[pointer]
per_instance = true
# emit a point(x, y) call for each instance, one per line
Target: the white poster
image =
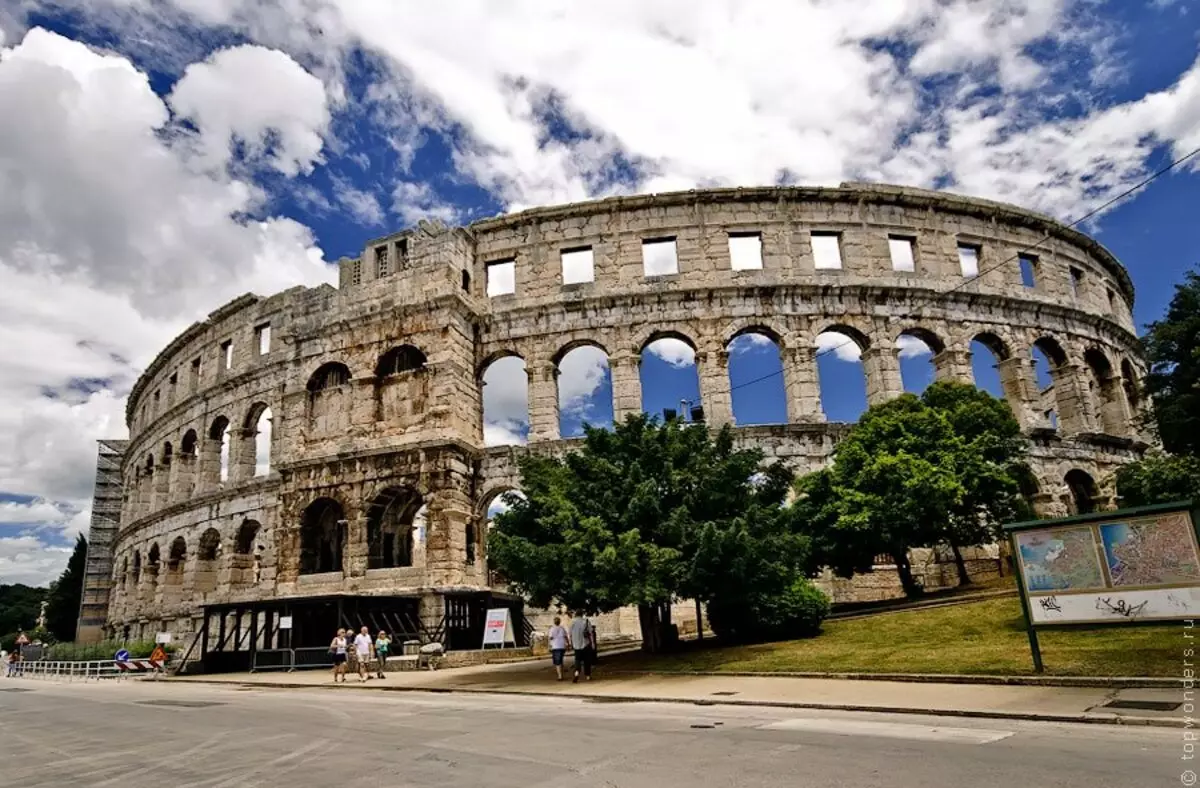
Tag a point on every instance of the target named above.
point(497, 628)
point(285, 622)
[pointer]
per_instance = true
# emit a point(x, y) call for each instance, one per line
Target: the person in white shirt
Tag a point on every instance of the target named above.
point(362, 649)
point(558, 645)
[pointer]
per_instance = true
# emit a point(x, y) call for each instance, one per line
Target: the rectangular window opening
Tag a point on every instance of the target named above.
point(968, 260)
point(1112, 301)
point(659, 257)
point(356, 272)
point(827, 251)
point(1028, 265)
point(383, 263)
point(1076, 281)
point(501, 278)
point(227, 353)
point(401, 254)
point(578, 265)
point(902, 249)
point(745, 251)
point(194, 376)
point(262, 336)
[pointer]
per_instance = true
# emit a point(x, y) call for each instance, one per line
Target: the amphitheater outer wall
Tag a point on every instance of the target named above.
point(372, 434)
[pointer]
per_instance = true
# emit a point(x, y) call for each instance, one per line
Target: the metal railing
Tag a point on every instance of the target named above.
point(274, 659)
point(69, 670)
point(315, 657)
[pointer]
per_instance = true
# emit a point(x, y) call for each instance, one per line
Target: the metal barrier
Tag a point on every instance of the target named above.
point(67, 669)
point(274, 659)
point(318, 657)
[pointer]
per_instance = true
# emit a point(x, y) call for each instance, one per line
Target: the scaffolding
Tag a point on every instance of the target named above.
point(102, 532)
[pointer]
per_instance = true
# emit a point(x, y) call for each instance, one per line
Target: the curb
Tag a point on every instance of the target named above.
point(1082, 718)
point(1094, 682)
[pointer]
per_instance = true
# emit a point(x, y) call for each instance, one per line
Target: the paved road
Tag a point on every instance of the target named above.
point(135, 734)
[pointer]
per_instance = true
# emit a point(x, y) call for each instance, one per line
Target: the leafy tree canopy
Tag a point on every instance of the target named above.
point(1159, 479)
point(62, 603)
point(1173, 350)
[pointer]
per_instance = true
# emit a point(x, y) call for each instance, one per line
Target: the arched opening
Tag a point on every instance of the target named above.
point(137, 567)
point(398, 360)
point(500, 501)
point(176, 557)
point(247, 534)
point(207, 553)
point(401, 387)
point(1048, 361)
point(153, 563)
point(505, 402)
point(840, 373)
point(148, 465)
point(322, 537)
point(390, 529)
point(124, 578)
point(187, 447)
point(218, 435)
point(584, 390)
point(258, 428)
point(987, 351)
point(756, 379)
point(329, 398)
point(669, 378)
point(471, 542)
point(1084, 492)
point(167, 453)
point(1104, 393)
point(1133, 386)
point(915, 349)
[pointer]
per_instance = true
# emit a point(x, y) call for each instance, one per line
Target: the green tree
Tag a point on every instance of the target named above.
point(1159, 478)
point(19, 608)
point(1173, 350)
point(62, 603)
point(989, 462)
point(642, 514)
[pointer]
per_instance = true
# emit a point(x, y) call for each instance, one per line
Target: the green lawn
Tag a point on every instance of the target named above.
point(985, 637)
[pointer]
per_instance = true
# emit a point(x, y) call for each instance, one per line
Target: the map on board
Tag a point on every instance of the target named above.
point(1151, 552)
point(1060, 560)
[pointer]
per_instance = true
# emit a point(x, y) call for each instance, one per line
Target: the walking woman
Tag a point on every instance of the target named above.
point(383, 645)
point(337, 650)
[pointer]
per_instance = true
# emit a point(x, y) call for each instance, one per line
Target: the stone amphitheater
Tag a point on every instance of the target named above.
point(317, 457)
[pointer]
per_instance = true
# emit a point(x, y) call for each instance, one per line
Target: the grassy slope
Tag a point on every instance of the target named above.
point(985, 637)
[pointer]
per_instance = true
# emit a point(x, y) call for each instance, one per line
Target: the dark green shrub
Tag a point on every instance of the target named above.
point(797, 612)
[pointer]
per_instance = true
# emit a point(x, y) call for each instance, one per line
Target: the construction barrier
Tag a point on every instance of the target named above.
point(68, 669)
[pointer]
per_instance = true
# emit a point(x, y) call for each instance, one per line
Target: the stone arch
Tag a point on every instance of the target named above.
point(922, 359)
point(254, 450)
point(583, 386)
point(669, 374)
point(391, 540)
point(322, 537)
point(504, 384)
point(330, 401)
point(215, 463)
point(124, 577)
point(208, 553)
point(187, 446)
point(176, 558)
point(1132, 385)
point(1104, 393)
point(755, 325)
point(153, 564)
point(758, 394)
point(841, 372)
point(330, 375)
point(1052, 379)
point(1083, 491)
point(400, 359)
point(167, 453)
point(490, 504)
point(148, 465)
point(137, 567)
point(994, 370)
point(247, 535)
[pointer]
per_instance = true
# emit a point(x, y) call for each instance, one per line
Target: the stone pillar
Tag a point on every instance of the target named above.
point(183, 472)
point(953, 365)
point(712, 367)
point(209, 477)
point(543, 402)
point(242, 454)
point(626, 386)
point(1115, 411)
point(162, 486)
point(1070, 399)
point(1016, 379)
point(882, 368)
point(801, 384)
point(356, 550)
point(446, 536)
point(1048, 505)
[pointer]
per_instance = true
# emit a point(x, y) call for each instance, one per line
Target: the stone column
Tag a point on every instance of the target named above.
point(241, 454)
point(1016, 379)
point(801, 384)
point(162, 486)
point(1115, 409)
point(953, 365)
point(882, 369)
point(1074, 415)
point(183, 485)
point(543, 401)
point(626, 386)
point(446, 536)
point(209, 477)
point(355, 551)
point(712, 367)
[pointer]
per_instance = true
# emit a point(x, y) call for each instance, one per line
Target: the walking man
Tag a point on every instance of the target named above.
point(558, 645)
point(362, 650)
point(581, 641)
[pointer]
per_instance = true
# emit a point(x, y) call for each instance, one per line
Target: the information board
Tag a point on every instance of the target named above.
point(497, 628)
point(1113, 567)
point(285, 622)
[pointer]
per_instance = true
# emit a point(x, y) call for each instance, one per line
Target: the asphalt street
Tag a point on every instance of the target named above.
point(133, 734)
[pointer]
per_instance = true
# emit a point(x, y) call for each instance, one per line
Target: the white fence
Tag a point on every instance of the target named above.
point(66, 670)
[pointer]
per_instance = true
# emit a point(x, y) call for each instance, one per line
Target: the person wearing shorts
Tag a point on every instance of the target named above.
point(558, 645)
point(337, 650)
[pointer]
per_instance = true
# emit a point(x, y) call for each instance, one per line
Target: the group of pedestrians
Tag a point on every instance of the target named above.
point(580, 638)
point(358, 652)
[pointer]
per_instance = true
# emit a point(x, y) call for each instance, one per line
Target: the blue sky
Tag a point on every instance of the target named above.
point(163, 156)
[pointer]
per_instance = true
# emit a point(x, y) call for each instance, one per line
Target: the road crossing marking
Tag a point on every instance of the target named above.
point(890, 730)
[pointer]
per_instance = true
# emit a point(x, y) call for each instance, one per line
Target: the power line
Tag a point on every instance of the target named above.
point(1137, 187)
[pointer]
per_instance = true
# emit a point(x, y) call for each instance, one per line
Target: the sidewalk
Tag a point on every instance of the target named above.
point(1048, 703)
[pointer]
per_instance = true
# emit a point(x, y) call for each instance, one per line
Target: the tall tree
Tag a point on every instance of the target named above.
point(66, 593)
point(1160, 478)
point(1173, 350)
point(19, 608)
point(639, 515)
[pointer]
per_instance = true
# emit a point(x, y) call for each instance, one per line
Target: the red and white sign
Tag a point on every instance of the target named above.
point(497, 628)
